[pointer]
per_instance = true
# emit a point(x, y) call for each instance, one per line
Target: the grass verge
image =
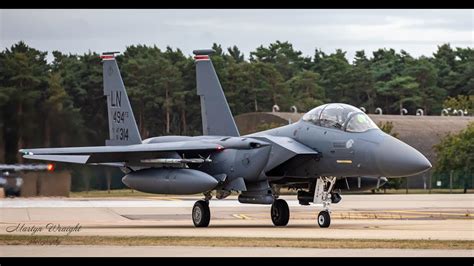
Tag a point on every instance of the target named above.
point(233, 242)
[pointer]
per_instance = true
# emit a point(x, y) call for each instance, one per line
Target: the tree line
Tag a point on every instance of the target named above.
point(61, 103)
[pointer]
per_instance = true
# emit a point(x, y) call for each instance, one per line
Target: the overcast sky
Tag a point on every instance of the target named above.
point(77, 31)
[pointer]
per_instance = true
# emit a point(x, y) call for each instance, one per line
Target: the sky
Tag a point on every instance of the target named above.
point(417, 31)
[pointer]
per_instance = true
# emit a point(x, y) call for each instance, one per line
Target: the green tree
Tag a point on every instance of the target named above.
point(238, 87)
point(24, 72)
point(465, 68)
point(334, 70)
point(461, 102)
point(387, 127)
point(385, 66)
point(236, 54)
point(402, 88)
point(429, 95)
point(268, 87)
point(182, 89)
point(455, 69)
point(455, 153)
point(361, 84)
point(306, 90)
point(62, 121)
point(283, 56)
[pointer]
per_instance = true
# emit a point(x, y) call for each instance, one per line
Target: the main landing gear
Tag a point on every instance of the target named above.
point(280, 212)
point(201, 213)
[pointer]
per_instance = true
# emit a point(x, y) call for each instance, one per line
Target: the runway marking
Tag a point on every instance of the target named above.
point(387, 214)
point(435, 213)
point(242, 216)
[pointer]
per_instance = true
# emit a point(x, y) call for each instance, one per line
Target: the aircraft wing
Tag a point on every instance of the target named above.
point(117, 154)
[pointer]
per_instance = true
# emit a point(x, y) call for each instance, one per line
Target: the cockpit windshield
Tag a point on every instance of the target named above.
point(341, 116)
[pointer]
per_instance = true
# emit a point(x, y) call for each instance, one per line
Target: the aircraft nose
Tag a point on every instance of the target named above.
point(395, 158)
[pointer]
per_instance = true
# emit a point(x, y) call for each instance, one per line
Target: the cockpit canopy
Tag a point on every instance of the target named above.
point(341, 116)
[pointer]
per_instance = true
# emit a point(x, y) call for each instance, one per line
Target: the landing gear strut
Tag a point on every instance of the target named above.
point(280, 212)
point(323, 195)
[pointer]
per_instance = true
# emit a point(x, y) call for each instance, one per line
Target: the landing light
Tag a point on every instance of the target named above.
point(50, 167)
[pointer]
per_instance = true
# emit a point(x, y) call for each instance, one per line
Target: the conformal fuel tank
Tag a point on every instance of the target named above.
point(170, 181)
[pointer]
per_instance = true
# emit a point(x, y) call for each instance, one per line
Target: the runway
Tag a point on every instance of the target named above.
point(178, 251)
point(435, 217)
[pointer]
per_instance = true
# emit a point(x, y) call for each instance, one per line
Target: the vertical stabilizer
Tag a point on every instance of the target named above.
point(217, 119)
point(122, 126)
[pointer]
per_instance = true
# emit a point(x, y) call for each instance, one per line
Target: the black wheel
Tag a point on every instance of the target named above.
point(201, 214)
point(280, 213)
point(324, 219)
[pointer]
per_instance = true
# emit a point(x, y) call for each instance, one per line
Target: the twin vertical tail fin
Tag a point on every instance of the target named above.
point(217, 119)
point(122, 126)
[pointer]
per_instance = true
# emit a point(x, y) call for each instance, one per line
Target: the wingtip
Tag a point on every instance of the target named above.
point(25, 152)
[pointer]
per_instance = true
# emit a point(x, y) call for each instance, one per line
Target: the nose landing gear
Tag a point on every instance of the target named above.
point(323, 194)
point(324, 219)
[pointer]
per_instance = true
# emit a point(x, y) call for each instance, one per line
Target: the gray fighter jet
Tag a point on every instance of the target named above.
point(333, 147)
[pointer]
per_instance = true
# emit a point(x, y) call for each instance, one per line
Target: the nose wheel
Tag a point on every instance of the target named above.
point(280, 212)
point(324, 219)
point(201, 213)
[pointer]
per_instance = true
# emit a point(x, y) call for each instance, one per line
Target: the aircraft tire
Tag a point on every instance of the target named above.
point(280, 212)
point(324, 219)
point(201, 213)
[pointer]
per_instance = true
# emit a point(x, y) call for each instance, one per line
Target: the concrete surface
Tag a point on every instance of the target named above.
point(176, 251)
point(441, 216)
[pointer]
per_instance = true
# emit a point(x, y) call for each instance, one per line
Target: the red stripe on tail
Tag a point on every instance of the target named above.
point(107, 56)
point(201, 57)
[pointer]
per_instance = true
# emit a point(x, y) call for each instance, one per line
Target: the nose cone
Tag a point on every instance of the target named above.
point(395, 158)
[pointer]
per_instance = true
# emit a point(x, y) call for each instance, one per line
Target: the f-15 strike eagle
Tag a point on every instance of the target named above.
point(333, 147)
